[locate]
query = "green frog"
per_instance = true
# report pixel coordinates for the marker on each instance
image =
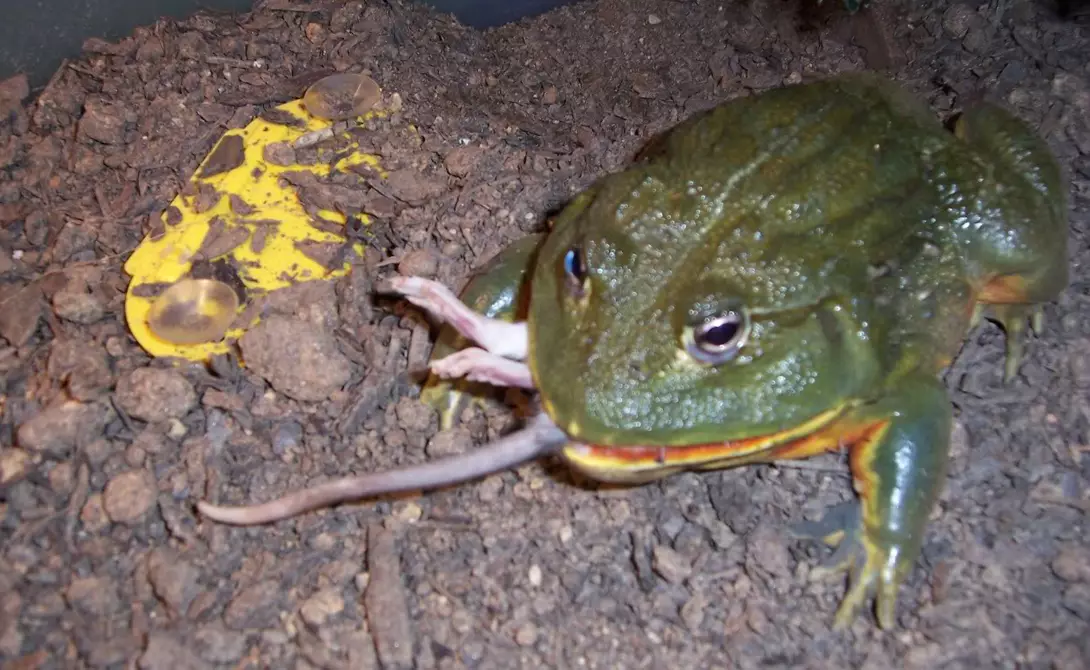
(784, 275)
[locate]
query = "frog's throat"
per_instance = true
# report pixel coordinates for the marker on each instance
(639, 463)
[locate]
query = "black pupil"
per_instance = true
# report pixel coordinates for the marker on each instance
(721, 334)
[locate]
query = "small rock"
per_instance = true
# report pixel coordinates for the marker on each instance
(165, 652)
(11, 638)
(957, 20)
(1077, 599)
(407, 512)
(151, 50)
(78, 305)
(412, 187)
(155, 394)
(21, 312)
(103, 122)
(462, 160)
(254, 607)
(535, 575)
(62, 477)
(1072, 564)
(15, 88)
(93, 515)
(173, 580)
(298, 359)
(653, 19)
(449, 443)
(526, 634)
(14, 465)
(279, 153)
(82, 366)
(129, 496)
(219, 645)
(57, 429)
(93, 595)
(413, 415)
(670, 565)
(550, 95)
(321, 607)
(768, 552)
(419, 263)
(692, 612)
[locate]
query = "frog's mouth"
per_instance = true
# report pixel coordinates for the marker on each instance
(641, 463)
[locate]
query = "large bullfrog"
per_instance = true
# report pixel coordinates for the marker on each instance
(784, 275)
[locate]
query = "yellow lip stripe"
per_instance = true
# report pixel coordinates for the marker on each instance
(810, 437)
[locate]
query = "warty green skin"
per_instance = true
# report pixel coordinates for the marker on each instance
(858, 233)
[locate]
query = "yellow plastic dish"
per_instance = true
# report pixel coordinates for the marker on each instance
(271, 261)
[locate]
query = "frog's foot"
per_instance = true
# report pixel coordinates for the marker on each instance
(509, 340)
(451, 397)
(478, 365)
(872, 567)
(1013, 318)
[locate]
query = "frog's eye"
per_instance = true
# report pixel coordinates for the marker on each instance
(575, 270)
(717, 338)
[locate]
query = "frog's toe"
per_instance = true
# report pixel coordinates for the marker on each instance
(871, 567)
(448, 400)
(1013, 318)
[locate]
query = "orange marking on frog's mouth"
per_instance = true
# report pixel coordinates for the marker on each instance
(825, 432)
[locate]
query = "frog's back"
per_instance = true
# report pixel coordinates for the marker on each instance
(785, 187)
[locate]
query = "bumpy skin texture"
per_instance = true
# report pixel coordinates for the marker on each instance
(860, 237)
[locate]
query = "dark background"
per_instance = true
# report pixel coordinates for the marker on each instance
(36, 35)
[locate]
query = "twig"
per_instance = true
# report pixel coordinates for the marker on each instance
(1063, 501)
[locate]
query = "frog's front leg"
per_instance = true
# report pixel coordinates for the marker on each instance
(898, 471)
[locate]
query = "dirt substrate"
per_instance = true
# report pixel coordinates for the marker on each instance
(105, 563)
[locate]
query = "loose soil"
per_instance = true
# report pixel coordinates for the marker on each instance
(105, 562)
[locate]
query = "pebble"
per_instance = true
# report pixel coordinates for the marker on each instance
(14, 465)
(155, 394)
(216, 644)
(1072, 564)
(449, 443)
(165, 652)
(21, 313)
(173, 580)
(321, 607)
(297, 358)
(670, 565)
(56, 429)
(654, 19)
(129, 496)
(76, 304)
(526, 634)
(254, 606)
(419, 263)
(535, 576)
(93, 515)
(1077, 599)
(62, 477)
(407, 512)
(11, 638)
(92, 595)
(413, 416)
(462, 160)
(489, 489)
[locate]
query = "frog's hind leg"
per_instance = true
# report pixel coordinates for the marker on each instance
(1013, 229)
